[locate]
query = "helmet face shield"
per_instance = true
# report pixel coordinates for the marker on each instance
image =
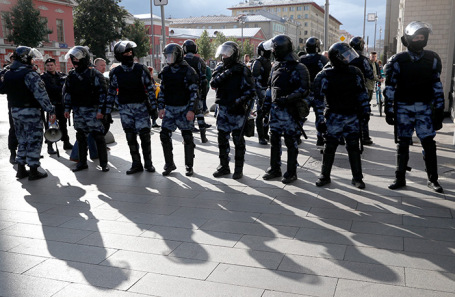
(124, 46)
(349, 55)
(224, 51)
(268, 45)
(35, 54)
(76, 53)
(170, 58)
(413, 27)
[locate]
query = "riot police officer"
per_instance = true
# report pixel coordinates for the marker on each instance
(288, 86)
(234, 93)
(342, 88)
(363, 63)
(261, 70)
(26, 94)
(177, 105)
(131, 84)
(190, 51)
(84, 93)
(54, 81)
(414, 99)
(314, 62)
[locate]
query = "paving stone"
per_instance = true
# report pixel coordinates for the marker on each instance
(431, 280)
(292, 246)
(20, 285)
(82, 273)
(77, 290)
(250, 228)
(17, 263)
(221, 214)
(115, 227)
(429, 246)
(305, 222)
(406, 209)
(350, 288)
(274, 280)
(161, 264)
(162, 220)
(227, 255)
(268, 293)
(355, 215)
(172, 286)
(429, 222)
(46, 232)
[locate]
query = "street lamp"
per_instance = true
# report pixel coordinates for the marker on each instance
(241, 20)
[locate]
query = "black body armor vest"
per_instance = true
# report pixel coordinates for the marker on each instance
(281, 80)
(342, 91)
(176, 92)
(82, 88)
(130, 86)
(18, 94)
(415, 83)
(229, 90)
(312, 63)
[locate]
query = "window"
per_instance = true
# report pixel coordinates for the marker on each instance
(299, 16)
(292, 8)
(306, 15)
(306, 8)
(5, 30)
(278, 9)
(44, 20)
(306, 24)
(291, 17)
(299, 8)
(63, 67)
(60, 32)
(285, 9)
(305, 32)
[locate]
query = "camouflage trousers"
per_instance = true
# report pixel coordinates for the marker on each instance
(342, 125)
(416, 116)
(85, 120)
(282, 123)
(134, 117)
(228, 122)
(175, 117)
(29, 132)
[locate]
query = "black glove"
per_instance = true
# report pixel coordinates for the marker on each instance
(215, 83)
(390, 119)
(321, 127)
(236, 68)
(438, 118)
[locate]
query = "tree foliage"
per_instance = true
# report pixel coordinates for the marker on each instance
(219, 40)
(97, 23)
(247, 49)
(136, 32)
(205, 49)
(25, 24)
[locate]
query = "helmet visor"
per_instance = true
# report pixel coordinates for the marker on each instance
(349, 55)
(35, 54)
(124, 46)
(413, 27)
(169, 58)
(224, 51)
(75, 52)
(268, 45)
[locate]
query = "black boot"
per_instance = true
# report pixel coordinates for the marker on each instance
(260, 128)
(291, 173)
(203, 136)
(67, 145)
(320, 141)
(431, 164)
(240, 149)
(275, 158)
(401, 164)
(353, 149)
(188, 144)
(82, 151)
(21, 171)
(327, 162)
(146, 145)
(136, 166)
(166, 142)
(34, 174)
(102, 150)
(12, 157)
(223, 147)
(50, 149)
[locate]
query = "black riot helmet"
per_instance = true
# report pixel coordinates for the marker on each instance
(357, 43)
(122, 47)
(281, 46)
(262, 52)
(189, 46)
(25, 54)
(173, 54)
(411, 31)
(313, 45)
(341, 54)
(228, 52)
(81, 54)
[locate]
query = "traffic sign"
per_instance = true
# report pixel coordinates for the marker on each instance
(342, 38)
(160, 2)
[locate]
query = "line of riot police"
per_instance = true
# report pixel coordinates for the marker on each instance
(284, 91)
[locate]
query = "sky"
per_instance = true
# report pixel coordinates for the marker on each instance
(349, 12)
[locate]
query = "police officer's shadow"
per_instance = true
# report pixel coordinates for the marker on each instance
(63, 245)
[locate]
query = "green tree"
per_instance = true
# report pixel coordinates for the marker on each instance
(97, 23)
(136, 32)
(219, 39)
(25, 24)
(247, 49)
(204, 46)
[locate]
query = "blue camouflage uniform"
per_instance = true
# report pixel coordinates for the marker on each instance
(288, 86)
(26, 96)
(343, 92)
(134, 92)
(234, 93)
(414, 99)
(85, 94)
(179, 94)
(261, 68)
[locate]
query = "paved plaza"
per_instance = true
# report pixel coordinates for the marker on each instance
(108, 234)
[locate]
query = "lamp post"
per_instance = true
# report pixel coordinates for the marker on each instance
(375, 24)
(151, 34)
(241, 20)
(326, 25)
(364, 18)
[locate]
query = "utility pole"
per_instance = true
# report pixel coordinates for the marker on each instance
(151, 34)
(375, 24)
(326, 25)
(364, 18)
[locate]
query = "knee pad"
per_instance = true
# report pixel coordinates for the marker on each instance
(330, 146)
(290, 141)
(187, 136)
(352, 145)
(144, 131)
(80, 135)
(275, 138)
(238, 138)
(403, 145)
(223, 137)
(428, 144)
(165, 135)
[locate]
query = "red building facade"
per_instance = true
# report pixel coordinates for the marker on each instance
(59, 16)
